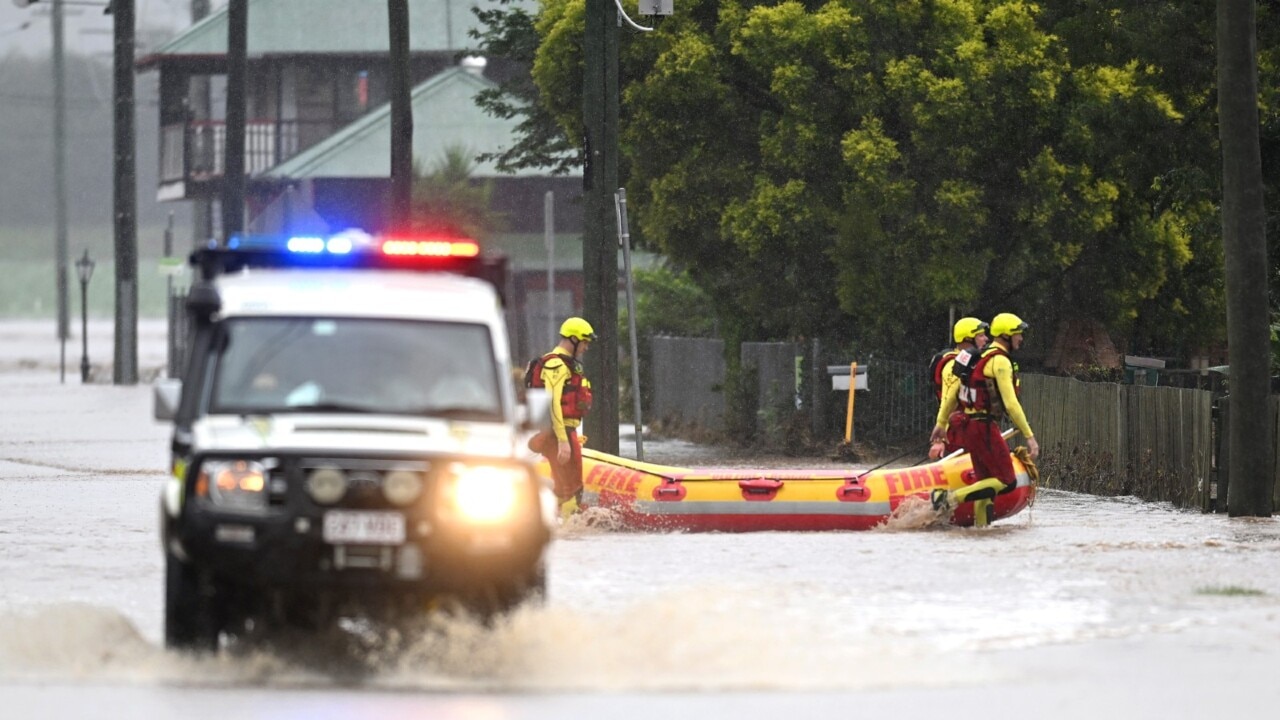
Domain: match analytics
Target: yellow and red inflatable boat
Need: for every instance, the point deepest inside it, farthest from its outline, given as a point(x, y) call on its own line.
point(645, 496)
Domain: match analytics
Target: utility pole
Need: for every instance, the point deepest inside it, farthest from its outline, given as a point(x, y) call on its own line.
point(126, 200)
point(61, 258)
point(599, 244)
point(202, 212)
point(1244, 244)
point(401, 115)
point(233, 161)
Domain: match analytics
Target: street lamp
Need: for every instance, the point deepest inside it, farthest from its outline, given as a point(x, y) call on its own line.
point(84, 268)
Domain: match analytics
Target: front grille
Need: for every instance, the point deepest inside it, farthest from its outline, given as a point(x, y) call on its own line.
point(364, 478)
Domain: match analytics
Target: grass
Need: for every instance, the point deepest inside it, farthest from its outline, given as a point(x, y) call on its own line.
point(1229, 591)
point(28, 285)
point(29, 290)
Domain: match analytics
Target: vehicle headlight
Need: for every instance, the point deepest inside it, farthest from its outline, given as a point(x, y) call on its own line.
point(483, 494)
point(402, 487)
point(326, 485)
point(233, 484)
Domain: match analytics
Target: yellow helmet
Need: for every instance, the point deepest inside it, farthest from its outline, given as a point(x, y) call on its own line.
point(575, 328)
point(1007, 324)
point(968, 328)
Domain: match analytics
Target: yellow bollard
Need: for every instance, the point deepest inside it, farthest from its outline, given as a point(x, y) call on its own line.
point(848, 418)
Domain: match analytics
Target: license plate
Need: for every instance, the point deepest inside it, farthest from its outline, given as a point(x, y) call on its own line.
point(363, 528)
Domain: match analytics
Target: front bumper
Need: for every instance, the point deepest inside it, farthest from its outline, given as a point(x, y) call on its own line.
point(286, 549)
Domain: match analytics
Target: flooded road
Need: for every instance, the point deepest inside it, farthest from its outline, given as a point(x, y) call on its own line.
point(1079, 605)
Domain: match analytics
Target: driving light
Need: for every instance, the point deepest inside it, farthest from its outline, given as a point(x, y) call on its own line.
point(484, 494)
point(402, 487)
point(326, 485)
point(234, 484)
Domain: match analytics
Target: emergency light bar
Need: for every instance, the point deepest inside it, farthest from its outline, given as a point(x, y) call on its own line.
point(351, 249)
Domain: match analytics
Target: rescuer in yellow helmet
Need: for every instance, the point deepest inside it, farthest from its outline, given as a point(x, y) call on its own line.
point(988, 393)
point(970, 336)
point(560, 372)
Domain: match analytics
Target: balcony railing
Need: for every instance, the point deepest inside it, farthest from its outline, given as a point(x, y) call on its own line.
point(195, 151)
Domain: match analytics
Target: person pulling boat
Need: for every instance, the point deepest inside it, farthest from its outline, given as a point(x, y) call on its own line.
point(987, 393)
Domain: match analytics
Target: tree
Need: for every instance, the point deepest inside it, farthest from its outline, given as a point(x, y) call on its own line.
point(447, 200)
point(508, 32)
point(856, 168)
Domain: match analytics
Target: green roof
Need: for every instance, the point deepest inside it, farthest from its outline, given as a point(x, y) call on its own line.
point(445, 115)
point(333, 26)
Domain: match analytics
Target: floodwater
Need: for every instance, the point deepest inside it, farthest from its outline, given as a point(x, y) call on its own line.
point(1079, 605)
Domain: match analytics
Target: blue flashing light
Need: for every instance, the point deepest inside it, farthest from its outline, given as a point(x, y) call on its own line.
point(338, 245)
point(351, 248)
point(309, 245)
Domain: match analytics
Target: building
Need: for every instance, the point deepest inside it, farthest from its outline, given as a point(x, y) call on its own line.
point(317, 138)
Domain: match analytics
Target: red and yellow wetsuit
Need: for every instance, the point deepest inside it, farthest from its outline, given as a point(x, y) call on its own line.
point(562, 376)
point(991, 394)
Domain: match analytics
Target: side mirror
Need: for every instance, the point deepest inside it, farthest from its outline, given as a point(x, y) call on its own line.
point(166, 395)
point(535, 413)
point(203, 301)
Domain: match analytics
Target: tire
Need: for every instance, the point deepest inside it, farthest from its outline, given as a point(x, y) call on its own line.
point(502, 597)
point(190, 609)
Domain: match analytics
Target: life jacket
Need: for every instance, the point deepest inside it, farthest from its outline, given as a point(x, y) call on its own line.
point(575, 397)
point(979, 394)
point(936, 365)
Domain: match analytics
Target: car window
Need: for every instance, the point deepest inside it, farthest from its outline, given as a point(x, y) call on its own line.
point(269, 365)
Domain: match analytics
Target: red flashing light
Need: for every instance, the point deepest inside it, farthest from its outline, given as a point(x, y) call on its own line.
point(438, 247)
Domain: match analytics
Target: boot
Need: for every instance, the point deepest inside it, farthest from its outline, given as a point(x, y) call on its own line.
point(984, 512)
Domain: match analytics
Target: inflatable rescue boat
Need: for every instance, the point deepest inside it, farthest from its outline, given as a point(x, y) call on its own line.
point(645, 496)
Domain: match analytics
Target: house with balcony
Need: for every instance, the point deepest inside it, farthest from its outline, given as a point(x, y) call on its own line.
point(317, 136)
point(314, 67)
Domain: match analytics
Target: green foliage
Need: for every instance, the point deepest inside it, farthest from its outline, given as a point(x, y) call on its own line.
point(1275, 348)
point(446, 199)
point(741, 403)
point(857, 169)
point(667, 303)
point(507, 34)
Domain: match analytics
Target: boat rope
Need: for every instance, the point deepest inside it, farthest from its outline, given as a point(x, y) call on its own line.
point(896, 458)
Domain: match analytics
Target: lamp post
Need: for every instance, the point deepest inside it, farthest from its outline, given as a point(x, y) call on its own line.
point(84, 269)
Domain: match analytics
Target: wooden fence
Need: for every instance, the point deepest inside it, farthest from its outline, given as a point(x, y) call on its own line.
point(1152, 442)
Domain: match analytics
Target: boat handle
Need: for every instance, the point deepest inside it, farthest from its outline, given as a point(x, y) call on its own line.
point(668, 490)
point(853, 490)
point(760, 485)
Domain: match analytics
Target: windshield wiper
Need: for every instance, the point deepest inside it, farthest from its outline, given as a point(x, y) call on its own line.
point(334, 407)
point(462, 412)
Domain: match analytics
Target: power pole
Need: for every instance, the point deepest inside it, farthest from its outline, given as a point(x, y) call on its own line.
point(202, 213)
point(61, 258)
point(401, 115)
point(233, 162)
point(125, 371)
point(1244, 241)
point(599, 243)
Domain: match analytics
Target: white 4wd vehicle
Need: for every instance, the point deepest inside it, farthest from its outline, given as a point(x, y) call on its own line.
point(345, 440)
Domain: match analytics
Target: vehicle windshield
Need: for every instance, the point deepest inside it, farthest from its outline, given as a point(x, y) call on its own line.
point(274, 365)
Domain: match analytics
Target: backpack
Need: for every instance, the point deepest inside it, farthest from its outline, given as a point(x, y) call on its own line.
point(533, 372)
point(936, 364)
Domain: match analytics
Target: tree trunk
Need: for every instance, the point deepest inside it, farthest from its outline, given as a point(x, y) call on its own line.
point(1244, 243)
